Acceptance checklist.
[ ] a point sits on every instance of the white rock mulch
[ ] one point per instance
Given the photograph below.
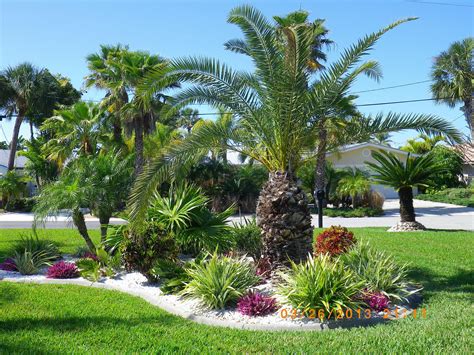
(136, 284)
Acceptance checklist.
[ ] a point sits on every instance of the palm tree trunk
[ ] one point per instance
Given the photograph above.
(14, 142)
(469, 114)
(320, 176)
(80, 223)
(139, 162)
(407, 211)
(104, 225)
(285, 219)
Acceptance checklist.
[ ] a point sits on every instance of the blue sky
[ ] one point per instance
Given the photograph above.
(59, 34)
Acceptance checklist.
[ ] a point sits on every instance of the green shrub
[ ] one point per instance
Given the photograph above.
(20, 205)
(89, 269)
(248, 238)
(320, 283)
(141, 249)
(377, 270)
(219, 281)
(353, 212)
(29, 263)
(34, 245)
(173, 276)
(456, 196)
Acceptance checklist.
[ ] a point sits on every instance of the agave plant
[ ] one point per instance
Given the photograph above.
(277, 111)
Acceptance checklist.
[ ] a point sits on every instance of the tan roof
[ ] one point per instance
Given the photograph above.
(467, 152)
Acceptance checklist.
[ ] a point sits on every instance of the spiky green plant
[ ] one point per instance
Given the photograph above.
(220, 281)
(29, 263)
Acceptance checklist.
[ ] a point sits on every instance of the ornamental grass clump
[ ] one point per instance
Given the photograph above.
(334, 241)
(320, 283)
(220, 281)
(8, 265)
(256, 304)
(378, 271)
(63, 270)
(29, 263)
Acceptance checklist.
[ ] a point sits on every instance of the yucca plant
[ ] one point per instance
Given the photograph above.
(378, 271)
(29, 263)
(404, 176)
(276, 112)
(320, 283)
(220, 281)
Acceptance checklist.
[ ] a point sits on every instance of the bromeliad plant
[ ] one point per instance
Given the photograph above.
(63, 270)
(277, 111)
(257, 304)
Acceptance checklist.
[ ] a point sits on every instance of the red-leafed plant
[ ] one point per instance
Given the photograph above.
(263, 268)
(90, 255)
(334, 241)
(376, 301)
(8, 265)
(256, 304)
(63, 270)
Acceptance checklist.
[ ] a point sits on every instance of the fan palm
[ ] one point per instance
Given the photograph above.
(403, 177)
(276, 110)
(453, 78)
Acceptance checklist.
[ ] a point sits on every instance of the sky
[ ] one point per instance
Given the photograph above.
(58, 35)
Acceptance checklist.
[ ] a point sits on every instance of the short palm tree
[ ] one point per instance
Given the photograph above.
(12, 186)
(453, 78)
(354, 183)
(403, 177)
(423, 144)
(276, 110)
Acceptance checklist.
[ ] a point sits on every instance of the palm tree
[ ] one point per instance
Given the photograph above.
(188, 117)
(276, 110)
(425, 145)
(12, 186)
(354, 183)
(453, 78)
(403, 177)
(382, 139)
(107, 73)
(78, 130)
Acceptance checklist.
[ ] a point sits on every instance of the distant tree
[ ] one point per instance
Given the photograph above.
(453, 79)
(452, 162)
(4, 145)
(12, 186)
(381, 138)
(423, 144)
(188, 117)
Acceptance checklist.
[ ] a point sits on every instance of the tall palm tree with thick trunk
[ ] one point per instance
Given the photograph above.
(277, 110)
(453, 78)
(403, 177)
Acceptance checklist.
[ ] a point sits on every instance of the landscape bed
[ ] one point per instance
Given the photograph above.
(447, 287)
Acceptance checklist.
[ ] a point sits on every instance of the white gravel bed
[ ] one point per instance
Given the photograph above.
(137, 285)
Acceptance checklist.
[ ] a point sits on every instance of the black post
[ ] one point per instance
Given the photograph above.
(319, 197)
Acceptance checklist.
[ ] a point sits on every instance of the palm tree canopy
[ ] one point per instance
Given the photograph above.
(277, 107)
(452, 73)
(415, 172)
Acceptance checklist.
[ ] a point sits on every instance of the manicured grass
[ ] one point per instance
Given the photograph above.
(58, 318)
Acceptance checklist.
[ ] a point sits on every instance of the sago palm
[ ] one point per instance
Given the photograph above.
(453, 78)
(404, 176)
(276, 110)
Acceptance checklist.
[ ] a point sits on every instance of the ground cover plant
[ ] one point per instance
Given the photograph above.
(47, 318)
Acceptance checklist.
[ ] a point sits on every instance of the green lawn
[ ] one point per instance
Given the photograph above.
(57, 319)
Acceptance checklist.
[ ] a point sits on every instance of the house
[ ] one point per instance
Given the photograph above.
(355, 156)
(466, 151)
(20, 161)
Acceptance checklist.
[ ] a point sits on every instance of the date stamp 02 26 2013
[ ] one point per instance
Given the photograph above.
(312, 313)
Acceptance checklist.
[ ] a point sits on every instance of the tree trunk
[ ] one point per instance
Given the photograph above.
(320, 175)
(139, 162)
(104, 225)
(407, 211)
(469, 114)
(14, 142)
(80, 223)
(285, 219)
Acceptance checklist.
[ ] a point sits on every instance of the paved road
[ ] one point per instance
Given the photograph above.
(433, 215)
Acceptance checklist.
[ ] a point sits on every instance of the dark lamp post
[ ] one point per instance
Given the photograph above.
(319, 197)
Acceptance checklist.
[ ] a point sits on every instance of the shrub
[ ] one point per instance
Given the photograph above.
(220, 281)
(63, 270)
(34, 245)
(320, 283)
(375, 200)
(89, 269)
(256, 304)
(248, 238)
(140, 250)
(29, 263)
(378, 271)
(459, 196)
(8, 265)
(20, 205)
(353, 212)
(376, 301)
(172, 276)
(334, 241)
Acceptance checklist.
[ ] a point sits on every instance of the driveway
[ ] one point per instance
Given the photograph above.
(25, 220)
(433, 215)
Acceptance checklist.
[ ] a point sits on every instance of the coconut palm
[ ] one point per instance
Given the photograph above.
(453, 78)
(78, 129)
(276, 110)
(354, 183)
(403, 177)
